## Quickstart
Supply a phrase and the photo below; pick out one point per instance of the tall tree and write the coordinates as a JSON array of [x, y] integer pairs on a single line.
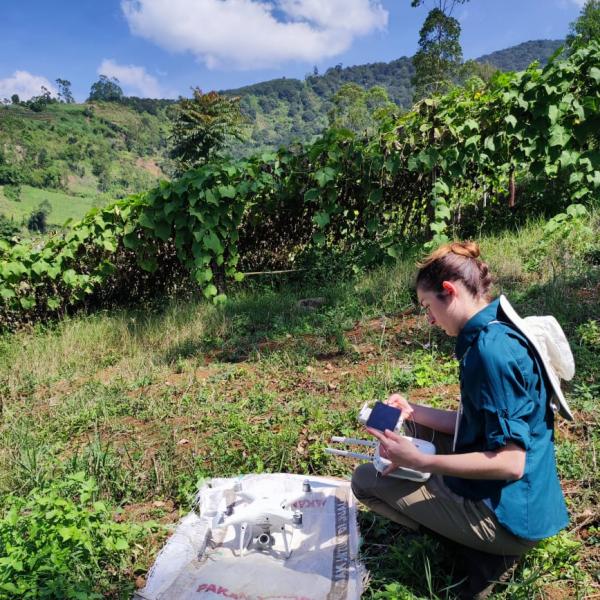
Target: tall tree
[[587, 26], [202, 125], [106, 89], [39, 103], [439, 56], [358, 109], [64, 91]]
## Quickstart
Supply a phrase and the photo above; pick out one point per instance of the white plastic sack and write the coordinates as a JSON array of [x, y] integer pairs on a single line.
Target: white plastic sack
[[202, 559]]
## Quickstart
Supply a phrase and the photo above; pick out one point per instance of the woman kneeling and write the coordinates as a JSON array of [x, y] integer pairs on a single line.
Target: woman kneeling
[[494, 487]]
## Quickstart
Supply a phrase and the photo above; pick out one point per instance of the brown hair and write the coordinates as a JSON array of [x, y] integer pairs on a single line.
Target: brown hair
[[456, 261]]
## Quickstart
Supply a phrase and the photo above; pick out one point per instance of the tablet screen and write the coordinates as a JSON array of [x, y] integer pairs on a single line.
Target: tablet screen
[[383, 416]]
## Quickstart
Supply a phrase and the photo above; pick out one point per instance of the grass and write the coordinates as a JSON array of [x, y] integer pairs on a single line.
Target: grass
[[63, 205], [149, 402]]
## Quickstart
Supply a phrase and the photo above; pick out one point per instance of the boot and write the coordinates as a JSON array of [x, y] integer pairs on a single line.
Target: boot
[[483, 571]]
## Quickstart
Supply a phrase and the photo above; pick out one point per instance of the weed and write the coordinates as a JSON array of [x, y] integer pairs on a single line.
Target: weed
[[589, 334], [429, 370], [57, 543]]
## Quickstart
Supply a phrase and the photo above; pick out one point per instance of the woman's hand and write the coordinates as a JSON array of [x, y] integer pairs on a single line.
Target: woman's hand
[[399, 401], [398, 450]]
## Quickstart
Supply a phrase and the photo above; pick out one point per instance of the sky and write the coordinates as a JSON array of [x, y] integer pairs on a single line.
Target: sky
[[163, 48]]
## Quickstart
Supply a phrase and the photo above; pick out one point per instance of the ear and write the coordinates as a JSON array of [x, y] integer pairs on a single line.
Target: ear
[[449, 288]]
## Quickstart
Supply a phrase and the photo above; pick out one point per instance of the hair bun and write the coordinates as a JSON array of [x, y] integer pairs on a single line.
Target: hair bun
[[455, 261], [467, 249]]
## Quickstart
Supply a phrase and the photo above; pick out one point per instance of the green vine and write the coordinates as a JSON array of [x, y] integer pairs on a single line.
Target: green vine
[[406, 183]]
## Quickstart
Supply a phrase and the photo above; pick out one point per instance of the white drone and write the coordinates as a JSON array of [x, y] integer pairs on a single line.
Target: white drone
[[263, 517], [379, 462]]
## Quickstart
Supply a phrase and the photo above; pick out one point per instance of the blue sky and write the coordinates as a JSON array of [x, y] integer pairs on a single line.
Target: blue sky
[[161, 48]]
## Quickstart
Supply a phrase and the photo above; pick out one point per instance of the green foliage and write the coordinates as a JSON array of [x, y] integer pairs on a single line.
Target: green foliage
[[343, 191], [567, 236], [428, 370], [8, 228], [13, 192], [58, 543], [286, 111], [521, 56], [64, 91], [201, 127], [439, 56], [360, 110], [589, 334], [558, 555], [39, 103], [106, 89], [98, 152], [587, 26], [38, 219]]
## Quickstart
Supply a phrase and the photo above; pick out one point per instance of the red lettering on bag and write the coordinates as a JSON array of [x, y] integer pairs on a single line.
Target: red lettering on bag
[[226, 593]]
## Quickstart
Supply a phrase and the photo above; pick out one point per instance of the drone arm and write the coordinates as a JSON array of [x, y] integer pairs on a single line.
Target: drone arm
[[353, 441], [348, 454]]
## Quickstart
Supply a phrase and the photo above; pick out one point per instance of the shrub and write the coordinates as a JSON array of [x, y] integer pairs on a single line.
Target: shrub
[[8, 229], [37, 221], [57, 543]]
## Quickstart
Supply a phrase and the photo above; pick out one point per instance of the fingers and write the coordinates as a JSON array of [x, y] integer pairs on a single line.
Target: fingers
[[392, 435], [378, 434], [389, 469], [399, 401]]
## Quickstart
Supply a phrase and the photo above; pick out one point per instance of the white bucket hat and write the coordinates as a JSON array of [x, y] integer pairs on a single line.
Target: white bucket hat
[[552, 348]]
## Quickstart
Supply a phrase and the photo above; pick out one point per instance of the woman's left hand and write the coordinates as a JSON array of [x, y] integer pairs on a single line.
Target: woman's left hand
[[397, 449]]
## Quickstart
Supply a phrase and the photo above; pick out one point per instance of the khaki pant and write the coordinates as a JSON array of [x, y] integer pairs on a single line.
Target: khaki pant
[[433, 505]]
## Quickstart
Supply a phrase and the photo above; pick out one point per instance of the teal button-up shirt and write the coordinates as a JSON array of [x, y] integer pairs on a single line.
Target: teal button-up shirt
[[504, 399]]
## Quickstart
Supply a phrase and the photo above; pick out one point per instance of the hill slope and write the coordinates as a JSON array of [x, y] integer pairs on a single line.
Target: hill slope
[[92, 153], [518, 58], [286, 110]]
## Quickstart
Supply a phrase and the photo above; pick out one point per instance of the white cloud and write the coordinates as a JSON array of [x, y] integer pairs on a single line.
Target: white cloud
[[25, 85], [132, 77], [251, 34]]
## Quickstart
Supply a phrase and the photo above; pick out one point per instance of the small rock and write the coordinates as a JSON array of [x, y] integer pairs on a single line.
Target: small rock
[[183, 442], [140, 582]]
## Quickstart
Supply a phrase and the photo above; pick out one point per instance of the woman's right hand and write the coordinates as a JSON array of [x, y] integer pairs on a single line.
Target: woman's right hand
[[399, 401]]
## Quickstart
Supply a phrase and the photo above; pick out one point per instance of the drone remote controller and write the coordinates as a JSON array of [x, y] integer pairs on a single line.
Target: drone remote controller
[[379, 462]]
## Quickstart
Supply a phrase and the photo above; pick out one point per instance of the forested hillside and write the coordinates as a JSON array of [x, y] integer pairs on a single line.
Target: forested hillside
[[282, 111], [517, 58], [81, 154], [66, 158]]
